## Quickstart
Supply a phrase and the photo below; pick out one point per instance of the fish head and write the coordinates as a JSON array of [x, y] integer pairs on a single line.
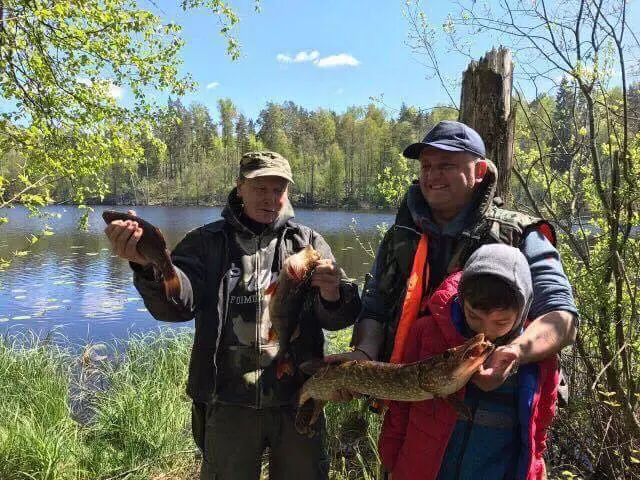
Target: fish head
[[451, 370], [300, 265]]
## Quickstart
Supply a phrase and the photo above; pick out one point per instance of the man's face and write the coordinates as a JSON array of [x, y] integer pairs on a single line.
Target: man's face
[[447, 180], [263, 197], [493, 323]]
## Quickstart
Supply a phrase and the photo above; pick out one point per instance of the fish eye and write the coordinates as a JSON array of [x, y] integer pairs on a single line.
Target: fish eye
[[446, 355]]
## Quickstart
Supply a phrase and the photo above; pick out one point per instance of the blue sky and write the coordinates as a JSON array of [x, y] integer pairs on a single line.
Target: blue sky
[[370, 36], [364, 40]]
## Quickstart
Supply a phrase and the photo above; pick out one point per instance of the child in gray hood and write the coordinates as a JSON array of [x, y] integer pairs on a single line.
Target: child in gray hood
[[505, 268], [506, 435]]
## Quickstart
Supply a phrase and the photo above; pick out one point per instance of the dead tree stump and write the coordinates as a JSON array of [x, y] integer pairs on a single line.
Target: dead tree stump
[[486, 105]]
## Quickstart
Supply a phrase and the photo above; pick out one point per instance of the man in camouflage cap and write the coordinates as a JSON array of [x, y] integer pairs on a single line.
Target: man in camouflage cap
[[452, 211], [240, 404], [263, 164]]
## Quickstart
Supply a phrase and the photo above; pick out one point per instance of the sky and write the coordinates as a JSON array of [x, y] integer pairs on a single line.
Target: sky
[[330, 54]]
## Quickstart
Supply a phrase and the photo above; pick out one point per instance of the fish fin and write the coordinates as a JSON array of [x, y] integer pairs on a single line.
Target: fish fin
[[271, 289], [293, 272], [310, 367], [463, 411], [273, 334], [285, 367], [172, 286], [163, 242], [317, 410], [303, 416]]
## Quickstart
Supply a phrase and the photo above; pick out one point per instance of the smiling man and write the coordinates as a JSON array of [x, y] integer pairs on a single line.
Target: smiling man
[[447, 215], [241, 404]]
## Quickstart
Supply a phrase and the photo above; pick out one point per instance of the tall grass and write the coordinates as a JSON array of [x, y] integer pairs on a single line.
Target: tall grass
[[136, 416], [120, 412], [38, 438]]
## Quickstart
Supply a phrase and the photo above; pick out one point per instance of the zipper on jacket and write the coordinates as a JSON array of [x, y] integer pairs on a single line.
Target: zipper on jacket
[[258, 320]]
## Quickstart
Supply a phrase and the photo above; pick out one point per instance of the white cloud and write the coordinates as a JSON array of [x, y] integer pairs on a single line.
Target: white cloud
[[300, 57], [212, 85], [306, 57], [113, 90], [340, 60]]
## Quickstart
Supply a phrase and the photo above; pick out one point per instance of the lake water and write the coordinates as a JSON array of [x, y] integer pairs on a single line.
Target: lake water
[[71, 283]]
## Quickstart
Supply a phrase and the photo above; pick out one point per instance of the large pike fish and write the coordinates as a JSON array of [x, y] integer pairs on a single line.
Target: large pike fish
[[154, 248], [436, 376], [287, 296]]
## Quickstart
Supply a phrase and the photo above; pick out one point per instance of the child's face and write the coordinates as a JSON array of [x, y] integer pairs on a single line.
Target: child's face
[[493, 323]]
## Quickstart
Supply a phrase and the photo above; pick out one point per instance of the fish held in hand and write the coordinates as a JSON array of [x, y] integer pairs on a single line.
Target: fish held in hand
[[153, 247], [436, 376], [287, 296]]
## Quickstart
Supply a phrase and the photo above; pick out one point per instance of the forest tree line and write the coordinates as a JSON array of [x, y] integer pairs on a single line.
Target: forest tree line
[[351, 159]]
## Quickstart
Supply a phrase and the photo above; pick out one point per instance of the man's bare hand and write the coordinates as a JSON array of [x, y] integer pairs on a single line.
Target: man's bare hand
[[503, 362], [124, 236], [326, 276]]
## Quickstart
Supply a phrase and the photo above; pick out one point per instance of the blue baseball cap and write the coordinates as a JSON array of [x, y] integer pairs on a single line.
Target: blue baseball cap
[[450, 136]]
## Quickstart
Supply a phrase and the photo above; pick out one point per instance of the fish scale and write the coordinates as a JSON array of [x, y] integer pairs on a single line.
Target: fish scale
[[436, 376]]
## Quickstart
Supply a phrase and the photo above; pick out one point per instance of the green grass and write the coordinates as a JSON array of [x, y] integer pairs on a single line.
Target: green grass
[[77, 416]]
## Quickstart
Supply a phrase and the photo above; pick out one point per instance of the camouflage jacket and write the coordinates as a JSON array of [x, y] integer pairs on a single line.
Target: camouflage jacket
[[224, 269], [481, 223]]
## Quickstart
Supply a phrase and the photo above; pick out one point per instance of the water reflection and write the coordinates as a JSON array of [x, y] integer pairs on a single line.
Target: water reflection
[[72, 283]]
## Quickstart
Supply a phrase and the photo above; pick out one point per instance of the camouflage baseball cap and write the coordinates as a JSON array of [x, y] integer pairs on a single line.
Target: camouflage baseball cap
[[264, 163]]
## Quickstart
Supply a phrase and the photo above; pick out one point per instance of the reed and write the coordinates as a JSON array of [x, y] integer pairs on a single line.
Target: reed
[[119, 411]]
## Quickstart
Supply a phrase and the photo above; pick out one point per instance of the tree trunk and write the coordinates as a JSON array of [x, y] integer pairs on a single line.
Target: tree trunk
[[485, 105]]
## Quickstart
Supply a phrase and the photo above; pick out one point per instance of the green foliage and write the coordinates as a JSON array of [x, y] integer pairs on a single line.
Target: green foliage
[[350, 159], [576, 164], [393, 181], [64, 64], [120, 411]]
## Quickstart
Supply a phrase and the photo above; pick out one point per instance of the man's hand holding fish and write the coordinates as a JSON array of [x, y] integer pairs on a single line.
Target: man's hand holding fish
[[124, 236], [326, 277]]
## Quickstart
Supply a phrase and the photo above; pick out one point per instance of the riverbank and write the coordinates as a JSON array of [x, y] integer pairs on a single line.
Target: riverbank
[[119, 410]]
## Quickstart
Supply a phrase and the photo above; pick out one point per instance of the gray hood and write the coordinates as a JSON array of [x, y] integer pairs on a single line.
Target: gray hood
[[509, 264]]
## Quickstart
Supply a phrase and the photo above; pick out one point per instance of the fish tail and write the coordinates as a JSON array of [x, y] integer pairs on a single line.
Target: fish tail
[[284, 367], [171, 284]]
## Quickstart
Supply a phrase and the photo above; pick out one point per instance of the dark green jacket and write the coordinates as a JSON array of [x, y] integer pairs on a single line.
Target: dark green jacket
[[203, 262], [480, 223]]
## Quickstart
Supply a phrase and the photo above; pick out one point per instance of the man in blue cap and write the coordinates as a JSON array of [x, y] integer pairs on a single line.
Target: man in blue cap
[[444, 217]]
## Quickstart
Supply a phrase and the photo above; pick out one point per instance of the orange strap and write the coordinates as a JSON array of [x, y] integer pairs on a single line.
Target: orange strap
[[416, 283]]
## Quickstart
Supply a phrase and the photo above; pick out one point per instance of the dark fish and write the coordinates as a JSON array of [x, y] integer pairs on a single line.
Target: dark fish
[[287, 296], [154, 248], [436, 376]]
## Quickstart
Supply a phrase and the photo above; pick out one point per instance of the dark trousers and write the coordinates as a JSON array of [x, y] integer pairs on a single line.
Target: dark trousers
[[233, 438]]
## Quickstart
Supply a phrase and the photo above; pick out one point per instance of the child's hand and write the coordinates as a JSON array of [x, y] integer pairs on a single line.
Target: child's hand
[[501, 363]]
